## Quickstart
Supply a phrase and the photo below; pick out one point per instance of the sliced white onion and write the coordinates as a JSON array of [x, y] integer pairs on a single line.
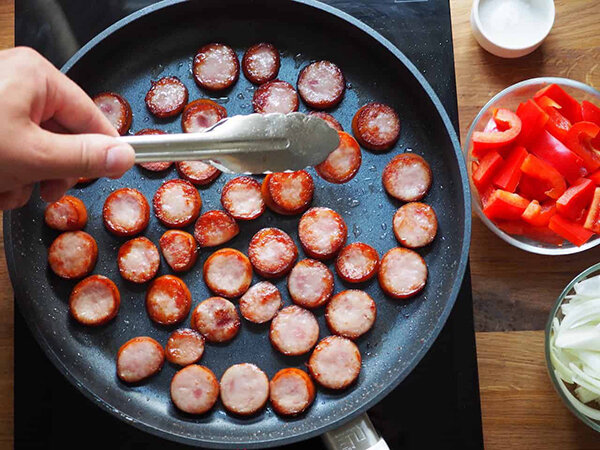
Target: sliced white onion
[[582, 408], [584, 395]]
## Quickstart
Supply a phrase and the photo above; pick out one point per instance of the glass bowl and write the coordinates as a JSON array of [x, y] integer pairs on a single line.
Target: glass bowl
[[558, 384], [510, 98]]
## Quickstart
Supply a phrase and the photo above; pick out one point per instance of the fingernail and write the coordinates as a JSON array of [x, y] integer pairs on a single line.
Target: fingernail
[[119, 159]]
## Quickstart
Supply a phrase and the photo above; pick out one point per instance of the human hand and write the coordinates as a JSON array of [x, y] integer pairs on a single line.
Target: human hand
[[50, 131]]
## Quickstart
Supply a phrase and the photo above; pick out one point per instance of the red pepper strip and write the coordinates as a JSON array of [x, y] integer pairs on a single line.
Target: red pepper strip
[[592, 221], [570, 108], [533, 188], [486, 195], [544, 172], [579, 140], [571, 231], [538, 215], [488, 167], [591, 113], [508, 127], [575, 199], [554, 152], [519, 228], [505, 205], [533, 120], [558, 125], [509, 175], [595, 177]]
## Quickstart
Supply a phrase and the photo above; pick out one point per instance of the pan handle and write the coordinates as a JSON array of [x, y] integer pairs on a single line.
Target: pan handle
[[358, 434]]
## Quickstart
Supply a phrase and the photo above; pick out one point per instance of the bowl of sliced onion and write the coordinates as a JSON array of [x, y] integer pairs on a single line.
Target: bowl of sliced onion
[[573, 346]]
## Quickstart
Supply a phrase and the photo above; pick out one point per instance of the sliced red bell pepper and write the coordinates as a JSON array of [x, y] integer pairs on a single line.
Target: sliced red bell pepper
[[576, 199], [541, 170], [555, 153], [538, 215], [595, 177], [505, 205], [533, 188], [486, 195], [519, 228], [533, 119], [591, 113], [509, 174], [487, 168], [592, 221], [508, 127], [571, 231], [570, 107], [558, 125], [579, 140]]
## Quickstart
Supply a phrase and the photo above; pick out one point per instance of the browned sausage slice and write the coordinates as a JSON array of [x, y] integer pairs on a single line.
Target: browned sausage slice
[[261, 63], [184, 347], [242, 199], [73, 254], [153, 166], [116, 109], [291, 391], [200, 115], [215, 228], [126, 212], [310, 283], [138, 260], [228, 273], [335, 362], [376, 126], [261, 302], [94, 300], [294, 331], [166, 97], [351, 313], [194, 389], [407, 177], [179, 249], [217, 319], [275, 96], [322, 232], [331, 121], [415, 224], [321, 85], [66, 214], [168, 300], [357, 262], [272, 252], [402, 273], [177, 203], [288, 193], [343, 163], [216, 67], [139, 358], [244, 389], [197, 172]]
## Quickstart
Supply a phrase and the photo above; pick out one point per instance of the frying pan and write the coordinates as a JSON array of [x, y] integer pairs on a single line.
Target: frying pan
[[161, 40]]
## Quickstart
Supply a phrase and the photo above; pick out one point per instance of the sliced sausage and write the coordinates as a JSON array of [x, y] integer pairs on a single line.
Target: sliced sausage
[[116, 109], [321, 85], [138, 260], [166, 97], [177, 203], [272, 252], [244, 389], [241, 197], [261, 63], [184, 347], [402, 273], [322, 232], [310, 283], [357, 262], [139, 358], [215, 228], [335, 362], [331, 121], [351, 313], [261, 302], [275, 96], [294, 331], [66, 214], [343, 163], [94, 300], [126, 212], [376, 126], [153, 166], [415, 224], [291, 391], [217, 319], [288, 193], [216, 67], [200, 115], [179, 249], [407, 177], [168, 300], [197, 172], [228, 273], [73, 254], [194, 389]]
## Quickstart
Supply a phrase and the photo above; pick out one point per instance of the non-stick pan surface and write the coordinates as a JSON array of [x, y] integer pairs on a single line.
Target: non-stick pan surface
[[161, 40]]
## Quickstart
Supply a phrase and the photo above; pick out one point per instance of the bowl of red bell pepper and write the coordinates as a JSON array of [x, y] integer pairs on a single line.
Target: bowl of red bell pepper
[[533, 156]]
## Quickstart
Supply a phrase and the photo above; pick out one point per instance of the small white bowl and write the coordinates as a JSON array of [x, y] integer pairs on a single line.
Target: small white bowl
[[511, 28]]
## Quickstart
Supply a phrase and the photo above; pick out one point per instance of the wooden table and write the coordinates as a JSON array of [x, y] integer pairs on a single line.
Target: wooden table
[[512, 290]]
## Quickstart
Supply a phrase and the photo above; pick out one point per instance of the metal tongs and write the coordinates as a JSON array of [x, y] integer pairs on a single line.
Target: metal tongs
[[253, 144]]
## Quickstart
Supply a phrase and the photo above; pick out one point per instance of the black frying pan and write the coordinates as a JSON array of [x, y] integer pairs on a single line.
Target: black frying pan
[[161, 40]]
